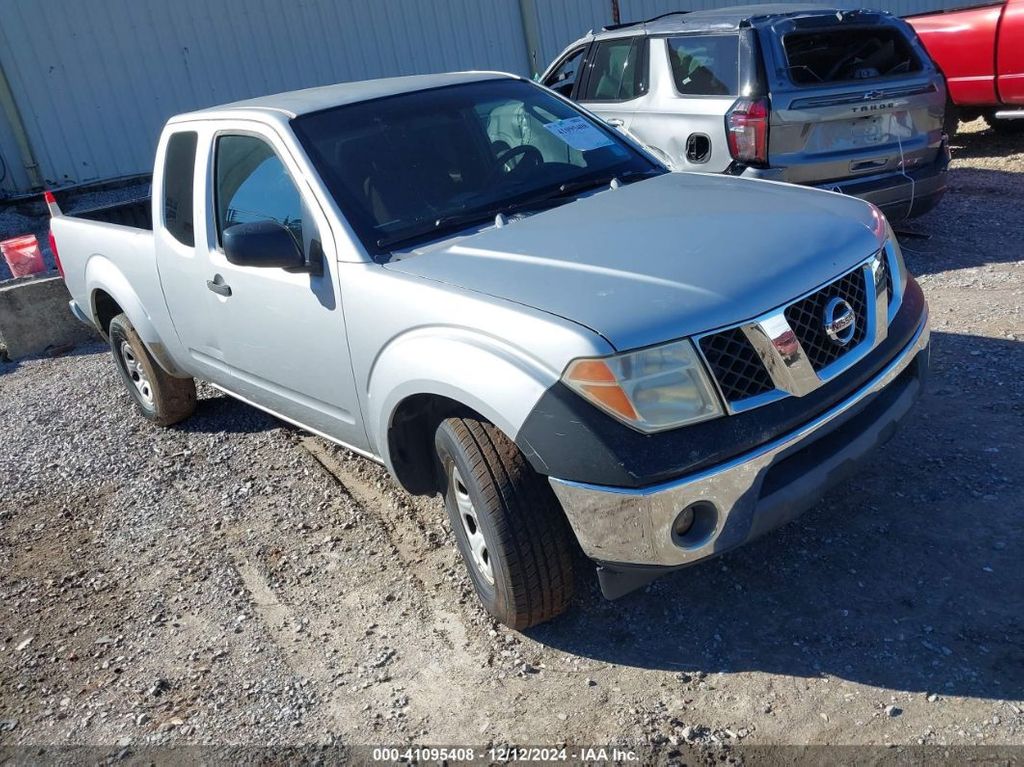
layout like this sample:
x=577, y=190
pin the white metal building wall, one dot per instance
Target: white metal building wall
x=562, y=21
x=95, y=80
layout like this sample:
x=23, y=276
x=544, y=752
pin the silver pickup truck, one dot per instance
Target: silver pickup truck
x=505, y=301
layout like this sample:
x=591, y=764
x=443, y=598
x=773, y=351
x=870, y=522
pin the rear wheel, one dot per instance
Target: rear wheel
x=507, y=523
x=159, y=396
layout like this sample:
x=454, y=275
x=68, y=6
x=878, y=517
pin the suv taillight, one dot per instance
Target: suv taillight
x=746, y=126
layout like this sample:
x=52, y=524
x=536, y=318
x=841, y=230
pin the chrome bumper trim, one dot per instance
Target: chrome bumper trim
x=634, y=525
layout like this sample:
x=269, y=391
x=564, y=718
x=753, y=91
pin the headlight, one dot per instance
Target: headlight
x=651, y=389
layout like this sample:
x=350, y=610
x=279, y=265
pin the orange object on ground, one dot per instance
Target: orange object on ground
x=23, y=255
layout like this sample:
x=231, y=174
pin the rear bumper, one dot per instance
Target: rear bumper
x=899, y=195
x=629, y=531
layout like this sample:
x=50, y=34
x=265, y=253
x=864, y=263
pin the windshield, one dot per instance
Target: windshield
x=410, y=167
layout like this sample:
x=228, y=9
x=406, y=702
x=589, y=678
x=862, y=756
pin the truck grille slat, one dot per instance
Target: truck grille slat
x=735, y=365
x=886, y=276
x=805, y=317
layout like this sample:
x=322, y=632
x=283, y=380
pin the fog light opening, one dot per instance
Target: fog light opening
x=683, y=522
x=695, y=525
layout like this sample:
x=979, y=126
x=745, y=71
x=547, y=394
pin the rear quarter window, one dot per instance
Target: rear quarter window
x=705, y=65
x=848, y=55
x=179, y=172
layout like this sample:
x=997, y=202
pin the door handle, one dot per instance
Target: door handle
x=218, y=286
x=615, y=122
x=868, y=164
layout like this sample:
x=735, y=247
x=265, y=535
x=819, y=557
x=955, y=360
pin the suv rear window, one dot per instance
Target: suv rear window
x=705, y=65
x=847, y=55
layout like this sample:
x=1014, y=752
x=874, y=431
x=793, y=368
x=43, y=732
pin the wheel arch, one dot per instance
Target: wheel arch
x=111, y=294
x=108, y=289
x=423, y=377
x=104, y=308
x=410, y=439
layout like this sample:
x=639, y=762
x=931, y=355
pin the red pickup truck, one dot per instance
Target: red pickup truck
x=981, y=52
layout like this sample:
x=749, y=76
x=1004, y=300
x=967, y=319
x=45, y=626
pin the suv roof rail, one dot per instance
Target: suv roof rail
x=610, y=27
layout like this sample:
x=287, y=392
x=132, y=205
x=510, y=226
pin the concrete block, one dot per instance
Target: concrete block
x=35, y=318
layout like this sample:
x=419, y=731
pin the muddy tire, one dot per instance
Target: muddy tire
x=159, y=396
x=507, y=523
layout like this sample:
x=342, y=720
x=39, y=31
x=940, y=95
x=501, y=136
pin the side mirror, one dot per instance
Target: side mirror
x=262, y=243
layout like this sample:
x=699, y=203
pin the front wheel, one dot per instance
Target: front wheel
x=159, y=396
x=507, y=523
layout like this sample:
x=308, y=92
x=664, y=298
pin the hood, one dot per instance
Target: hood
x=661, y=259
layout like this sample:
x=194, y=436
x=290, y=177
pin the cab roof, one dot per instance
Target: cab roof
x=294, y=103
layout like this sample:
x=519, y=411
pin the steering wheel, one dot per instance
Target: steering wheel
x=529, y=156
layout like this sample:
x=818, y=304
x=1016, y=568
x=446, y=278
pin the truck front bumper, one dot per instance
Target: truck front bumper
x=630, y=532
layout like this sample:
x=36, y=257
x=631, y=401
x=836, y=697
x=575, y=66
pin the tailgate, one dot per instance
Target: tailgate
x=851, y=99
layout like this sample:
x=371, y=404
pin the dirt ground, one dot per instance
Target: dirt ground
x=235, y=581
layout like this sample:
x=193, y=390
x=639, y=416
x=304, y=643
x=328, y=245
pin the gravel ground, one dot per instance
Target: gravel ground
x=235, y=581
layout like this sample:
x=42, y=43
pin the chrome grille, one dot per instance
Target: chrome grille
x=788, y=352
x=735, y=365
x=806, y=319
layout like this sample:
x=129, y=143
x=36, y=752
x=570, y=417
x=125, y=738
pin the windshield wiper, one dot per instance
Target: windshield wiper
x=581, y=185
x=456, y=221
x=438, y=226
x=567, y=189
x=459, y=220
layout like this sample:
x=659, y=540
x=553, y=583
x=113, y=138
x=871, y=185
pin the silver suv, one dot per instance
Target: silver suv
x=844, y=100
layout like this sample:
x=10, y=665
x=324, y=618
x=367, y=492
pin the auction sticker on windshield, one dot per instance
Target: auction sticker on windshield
x=579, y=134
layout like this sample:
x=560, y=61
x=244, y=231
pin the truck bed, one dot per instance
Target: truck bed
x=136, y=213
x=113, y=246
